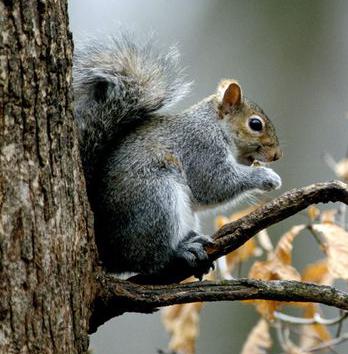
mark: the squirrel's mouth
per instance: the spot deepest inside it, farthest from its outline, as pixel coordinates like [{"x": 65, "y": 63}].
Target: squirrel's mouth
[
  {"x": 247, "y": 160},
  {"x": 260, "y": 156},
  {"x": 250, "y": 160}
]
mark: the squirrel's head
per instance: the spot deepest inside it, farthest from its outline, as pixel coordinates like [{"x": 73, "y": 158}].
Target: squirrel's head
[{"x": 252, "y": 131}]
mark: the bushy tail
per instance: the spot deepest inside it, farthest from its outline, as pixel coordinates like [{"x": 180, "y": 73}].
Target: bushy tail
[{"x": 119, "y": 82}]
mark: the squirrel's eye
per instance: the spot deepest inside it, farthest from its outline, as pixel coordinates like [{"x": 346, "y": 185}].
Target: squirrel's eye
[{"x": 255, "y": 124}]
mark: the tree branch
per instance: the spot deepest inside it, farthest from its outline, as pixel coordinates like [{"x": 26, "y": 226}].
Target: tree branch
[
  {"x": 119, "y": 296},
  {"x": 115, "y": 296},
  {"x": 235, "y": 234}
]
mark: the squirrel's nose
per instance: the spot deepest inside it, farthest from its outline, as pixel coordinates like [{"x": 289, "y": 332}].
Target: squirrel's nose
[{"x": 277, "y": 155}]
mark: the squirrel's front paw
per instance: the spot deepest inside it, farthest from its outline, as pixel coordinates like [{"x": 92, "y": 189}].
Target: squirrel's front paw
[{"x": 267, "y": 179}]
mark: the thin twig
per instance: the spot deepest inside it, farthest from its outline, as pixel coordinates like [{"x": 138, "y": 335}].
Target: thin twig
[
  {"x": 340, "y": 325},
  {"x": 317, "y": 319},
  {"x": 316, "y": 237},
  {"x": 329, "y": 343}
]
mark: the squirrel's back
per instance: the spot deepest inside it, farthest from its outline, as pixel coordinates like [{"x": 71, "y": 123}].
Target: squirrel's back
[
  {"x": 148, "y": 173},
  {"x": 118, "y": 83}
]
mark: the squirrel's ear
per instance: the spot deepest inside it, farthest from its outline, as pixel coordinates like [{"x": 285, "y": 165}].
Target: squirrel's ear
[{"x": 231, "y": 94}]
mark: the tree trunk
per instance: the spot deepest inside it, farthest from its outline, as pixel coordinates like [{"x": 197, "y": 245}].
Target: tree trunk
[{"x": 47, "y": 252}]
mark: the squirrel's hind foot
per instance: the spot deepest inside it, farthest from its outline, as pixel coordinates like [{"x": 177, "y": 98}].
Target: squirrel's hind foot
[{"x": 191, "y": 250}]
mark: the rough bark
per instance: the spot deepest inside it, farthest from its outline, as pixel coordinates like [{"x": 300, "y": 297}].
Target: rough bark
[
  {"x": 120, "y": 296},
  {"x": 46, "y": 245}
]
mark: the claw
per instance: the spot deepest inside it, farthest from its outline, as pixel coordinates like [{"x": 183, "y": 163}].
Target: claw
[{"x": 192, "y": 250}]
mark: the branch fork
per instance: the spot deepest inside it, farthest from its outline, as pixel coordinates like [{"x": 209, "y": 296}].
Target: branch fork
[{"x": 115, "y": 296}]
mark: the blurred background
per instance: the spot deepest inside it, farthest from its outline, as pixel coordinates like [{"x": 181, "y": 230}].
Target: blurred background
[{"x": 291, "y": 57}]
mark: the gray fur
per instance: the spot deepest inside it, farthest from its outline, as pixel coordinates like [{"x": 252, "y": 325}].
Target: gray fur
[
  {"x": 119, "y": 81},
  {"x": 154, "y": 177}
]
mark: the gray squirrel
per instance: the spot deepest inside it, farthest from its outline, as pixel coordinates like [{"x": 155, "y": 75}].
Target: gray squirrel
[{"x": 148, "y": 172}]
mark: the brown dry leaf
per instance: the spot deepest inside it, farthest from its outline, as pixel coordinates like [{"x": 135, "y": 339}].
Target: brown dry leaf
[
  {"x": 318, "y": 273},
  {"x": 313, "y": 212},
  {"x": 271, "y": 270},
  {"x": 328, "y": 216},
  {"x": 313, "y": 335},
  {"x": 182, "y": 322},
  {"x": 258, "y": 340},
  {"x": 220, "y": 221},
  {"x": 266, "y": 308},
  {"x": 223, "y": 220},
  {"x": 265, "y": 241},
  {"x": 242, "y": 253},
  {"x": 336, "y": 247},
  {"x": 341, "y": 169},
  {"x": 278, "y": 267},
  {"x": 284, "y": 248}
]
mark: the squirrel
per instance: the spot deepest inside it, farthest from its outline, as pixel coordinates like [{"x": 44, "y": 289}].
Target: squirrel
[{"x": 149, "y": 172}]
